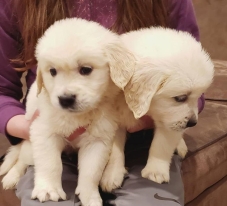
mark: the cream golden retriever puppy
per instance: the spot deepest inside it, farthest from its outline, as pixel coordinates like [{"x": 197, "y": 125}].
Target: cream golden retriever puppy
[
  {"x": 78, "y": 63},
  {"x": 172, "y": 71},
  {"x": 171, "y": 74}
]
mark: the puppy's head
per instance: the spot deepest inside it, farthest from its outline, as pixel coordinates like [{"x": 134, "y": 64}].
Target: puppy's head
[
  {"x": 172, "y": 72},
  {"x": 78, "y": 61}
]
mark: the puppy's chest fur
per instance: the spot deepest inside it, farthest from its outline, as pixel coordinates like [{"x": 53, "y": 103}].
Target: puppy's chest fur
[{"x": 100, "y": 123}]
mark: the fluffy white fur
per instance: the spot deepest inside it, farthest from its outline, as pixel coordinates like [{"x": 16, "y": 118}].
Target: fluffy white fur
[
  {"x": 69, "y": 46},
  {"x": 168, "y": 64},
  {"x": 171, "y": 66}
]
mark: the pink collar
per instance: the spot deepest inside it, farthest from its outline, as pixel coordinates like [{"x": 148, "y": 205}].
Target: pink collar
[{"x": 76, "y": 133}]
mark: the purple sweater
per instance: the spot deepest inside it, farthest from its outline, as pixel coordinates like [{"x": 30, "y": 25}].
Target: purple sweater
[{"x": 182, "y": 17}]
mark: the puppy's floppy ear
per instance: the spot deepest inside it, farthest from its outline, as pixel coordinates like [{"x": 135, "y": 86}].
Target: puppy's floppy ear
[
  {"x": 122, "y": 64},
  {"x": 39, "y": 81},
  {"x": 146, "y": 81}
]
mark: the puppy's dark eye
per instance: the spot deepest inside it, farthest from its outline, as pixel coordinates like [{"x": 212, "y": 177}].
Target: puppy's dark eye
[
  {"x": 85, "y": 70},
  {"x": 181, "y": 98},
  {"x": 53, "y": 72}
]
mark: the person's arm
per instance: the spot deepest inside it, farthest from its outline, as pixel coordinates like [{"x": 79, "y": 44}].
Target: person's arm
[
  {"x": 12, "y": 122},
  {"x": 182, "y": 17}
]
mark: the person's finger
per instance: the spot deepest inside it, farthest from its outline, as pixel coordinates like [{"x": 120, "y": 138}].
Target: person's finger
[{"x": 147, "y": 123}]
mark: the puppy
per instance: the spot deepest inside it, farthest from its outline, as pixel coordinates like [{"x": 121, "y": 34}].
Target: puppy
[
  {"x": 79, "y": 65},
  {"x": 172, "y": 72}
]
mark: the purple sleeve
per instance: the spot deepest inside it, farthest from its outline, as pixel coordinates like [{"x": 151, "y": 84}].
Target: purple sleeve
[
  {"x": 10, "y": 84},
  {"x": 182, "y": 17}
]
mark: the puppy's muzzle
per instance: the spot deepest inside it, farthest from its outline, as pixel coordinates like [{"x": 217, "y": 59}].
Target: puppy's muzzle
[
  {"x": 191, "y": 123},
  {"x": 67, "y": 101}
]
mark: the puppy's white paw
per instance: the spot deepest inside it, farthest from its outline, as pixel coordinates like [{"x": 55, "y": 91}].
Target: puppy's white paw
[
  {"x": 10, "y": 181},
  {"x": 3, "y": 170},
  {"x": 113, "y": 177},
  {"x": 95, "y": 202},
  {"x": 44, "y": 194},
  {"x": 182, "y": 149},
  {"x": 88, "y": 196},
  {"x": 157, "y": 171},
  {"x": 12, "y": 178}
]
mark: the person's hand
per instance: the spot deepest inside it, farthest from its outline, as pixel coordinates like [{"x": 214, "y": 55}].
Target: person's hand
[
  {"x": 146, "y": 123},
  {"x": 18, "y": 126}
]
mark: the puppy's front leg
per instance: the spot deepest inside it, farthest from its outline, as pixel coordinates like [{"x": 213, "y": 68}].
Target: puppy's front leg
[
  {"x": 160, "y": 155},
  {"x": 47, "y": 148},
  {"x": 92, "y": 159},
  {"x": 115, "y": 171},
  {"x": 182, "y": 148}
]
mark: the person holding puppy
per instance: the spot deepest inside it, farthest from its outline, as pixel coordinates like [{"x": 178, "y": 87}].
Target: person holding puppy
[{"x": 23, "y": 22}]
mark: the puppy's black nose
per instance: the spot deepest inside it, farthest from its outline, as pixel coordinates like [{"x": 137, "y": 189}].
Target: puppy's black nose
[
  {"x": 191, "y": 123},
  {"x": 67, "y": 101}
]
